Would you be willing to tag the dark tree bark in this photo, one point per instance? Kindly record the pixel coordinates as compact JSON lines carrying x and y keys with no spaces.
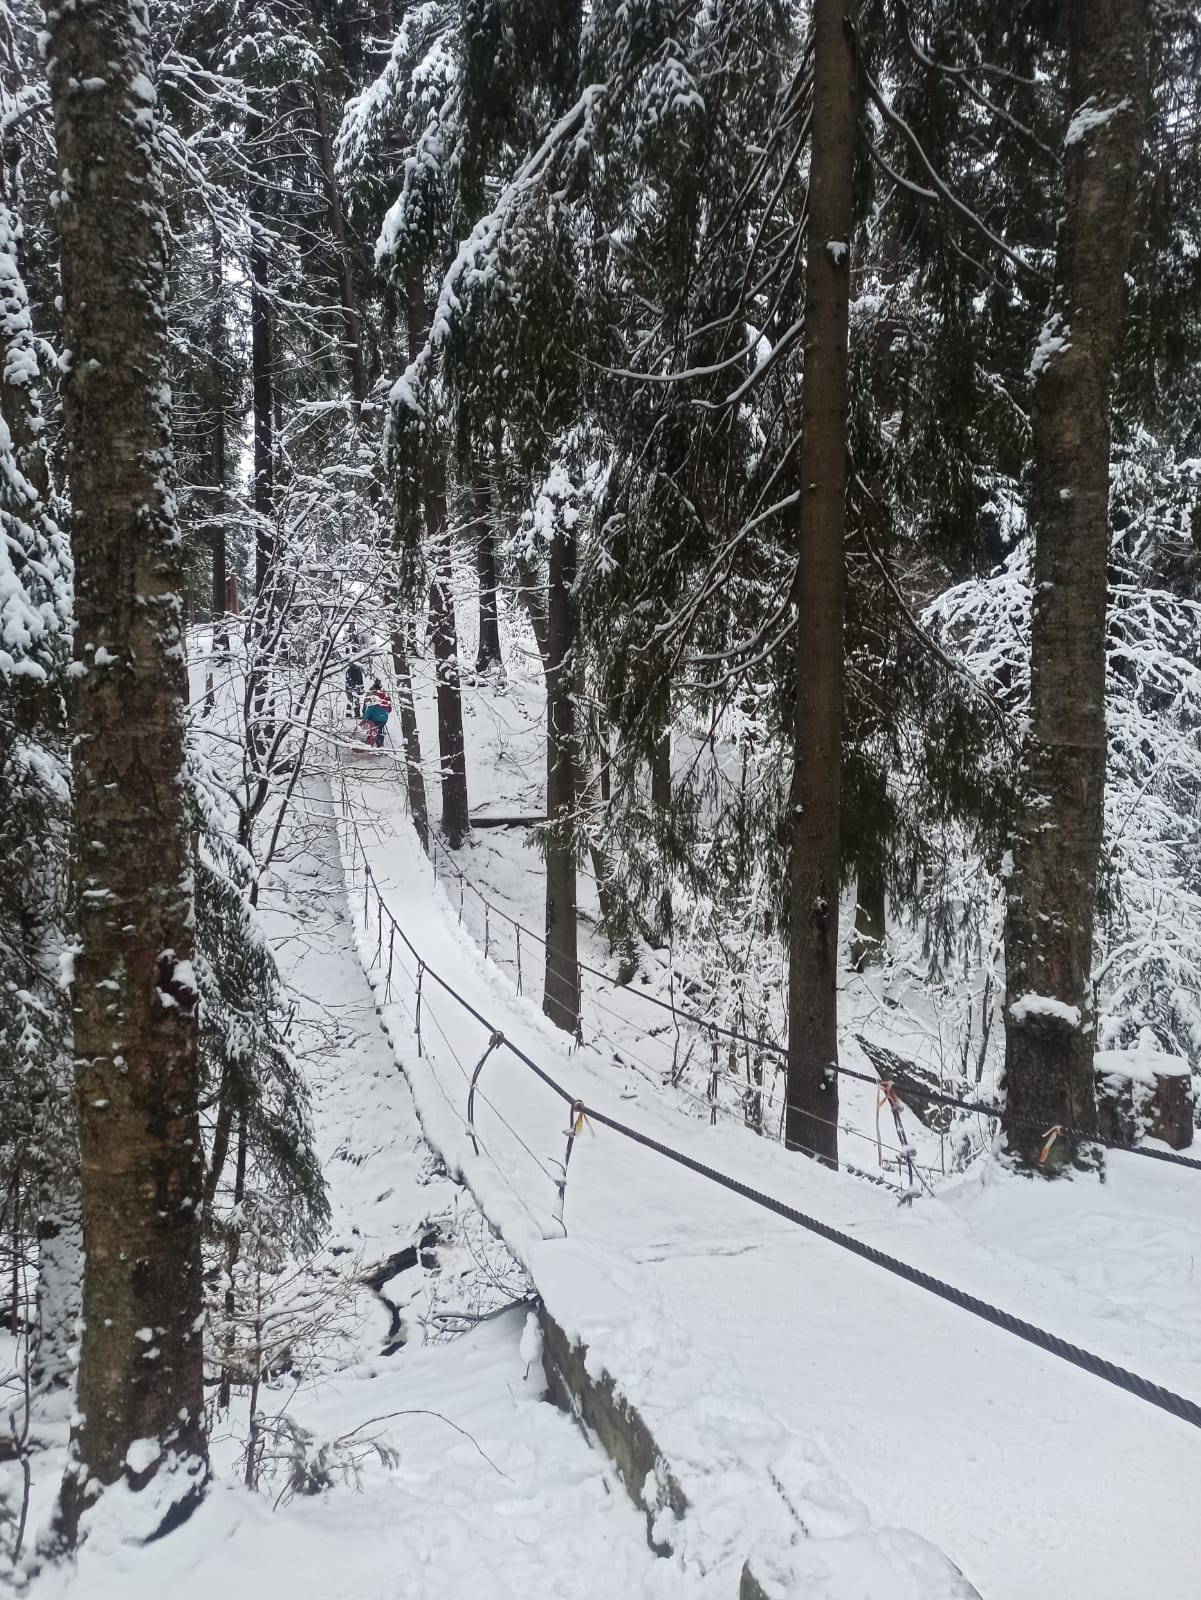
{"x":661,"y":804}
{"x":533,"y":599}
{"x":605,"y":763}
{"x":140,"y":1400}
{"x":411,"y":739}
{"x":484,"y":535}
{"x":1051,"y":892}
{"x":812,"y":1114}
{"x":456,"y":822}
{"x":661,"y":773}
{"x":383,"y":15}
{"x":262,"y":384}
{"x":262,"y":623}
{"x":867,"y":940}
{"x":217,"y":598}
{"x":352,"y":320}
{"x":217,"y":454}
{"x":561,"y":988}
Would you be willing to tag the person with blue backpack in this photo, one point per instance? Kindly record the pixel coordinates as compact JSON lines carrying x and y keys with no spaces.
{"x":377,"y":708}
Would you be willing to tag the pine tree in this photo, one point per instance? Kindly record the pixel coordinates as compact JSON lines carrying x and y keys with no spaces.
{"x":1050,"y":1022}
{"x":561,"y":983}
{"x":134,"y":995}
{"x":814,"y":859}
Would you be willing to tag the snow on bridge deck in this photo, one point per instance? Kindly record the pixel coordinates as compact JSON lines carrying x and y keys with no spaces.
{"x":841,"y":1423}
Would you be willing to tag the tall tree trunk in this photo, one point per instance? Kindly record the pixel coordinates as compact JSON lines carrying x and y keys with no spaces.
{"x":217,"y":461}
{"x":812,"y":1115}
{"x":352,"y":320}
{"x":661,"y":772}
{"x":261,"y":626}
{"x":867,"y":939}
{"x":140,"y":1413}
{"x":661,"y":805}
{"x":456,"y":821}
{"x":534,"y":600}
{"x":593,"y":804}
{"x":484,"y":534}
{"x":561,"y":988}
{"x":262,"y":386}
{"x":606,"y":763}
{"x":411,"y":739}
{"x":384,"y":21}
{"x":217,"y":597}
{"x":1051,"y":892}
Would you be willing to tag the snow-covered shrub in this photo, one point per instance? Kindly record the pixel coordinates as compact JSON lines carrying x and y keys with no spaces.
{"x":1147,"y":948}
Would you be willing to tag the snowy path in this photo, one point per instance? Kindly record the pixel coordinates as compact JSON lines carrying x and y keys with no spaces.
{"x":492,"y":1491}
{"x":792,"y":1384}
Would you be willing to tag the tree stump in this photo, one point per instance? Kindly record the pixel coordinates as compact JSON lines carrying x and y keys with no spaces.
{"x":1144,"y":1093}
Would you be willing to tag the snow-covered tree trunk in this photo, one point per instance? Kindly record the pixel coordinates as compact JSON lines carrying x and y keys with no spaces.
{"x":661,"y":806}
{"x":1049,"y":1019}
{"x":561,"y":990}
{"x":410,"y":736}
{"x":140,"y":1411}
{"x":812,"y":1114}
{"x":262,"y":384}
{"x":352,"y":320}
{"x":456,"y":821}
{"x":661,"y":772}
{"x":484,"y":534}
{"x":218,"y":345}
{"x":529,"y":592}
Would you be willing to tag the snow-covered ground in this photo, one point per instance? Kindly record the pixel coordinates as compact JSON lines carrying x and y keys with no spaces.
{"x":792,"y":1386}
{"x":858,"y":1438}
{"x":491,"y":1492}
{"x":452,"y":1477}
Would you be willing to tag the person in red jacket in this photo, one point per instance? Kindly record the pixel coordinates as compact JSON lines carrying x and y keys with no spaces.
{"x":377,"y":708}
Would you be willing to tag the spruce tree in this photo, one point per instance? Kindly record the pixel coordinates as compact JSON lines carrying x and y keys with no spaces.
{"x":815,"y":878}
{"x":1050,"y":1022}
{"x":134,"y":996}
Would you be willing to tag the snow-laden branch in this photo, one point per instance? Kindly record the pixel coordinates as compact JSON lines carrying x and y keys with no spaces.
{"x":944,"y":190}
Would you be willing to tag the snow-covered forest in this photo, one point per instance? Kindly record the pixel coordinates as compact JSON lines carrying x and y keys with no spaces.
{"x":600,"y":799}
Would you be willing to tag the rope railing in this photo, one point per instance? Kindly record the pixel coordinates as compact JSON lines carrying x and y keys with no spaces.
{"x":772,"y":1047}
{"x":582,"y":1115}
{"x":902,"y":1154}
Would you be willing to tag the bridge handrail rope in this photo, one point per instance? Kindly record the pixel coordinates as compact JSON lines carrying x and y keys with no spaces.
{"x":772,"y":1047}
{"x":1143,"y":1388}
{"x":902,"y":1153}
{"x":582,"y":1116}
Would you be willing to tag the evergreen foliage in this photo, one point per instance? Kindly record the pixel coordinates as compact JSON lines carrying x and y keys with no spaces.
{"x":540,"y":265}
{"x":36,"y":1117}
{"x":243,"y":1032}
